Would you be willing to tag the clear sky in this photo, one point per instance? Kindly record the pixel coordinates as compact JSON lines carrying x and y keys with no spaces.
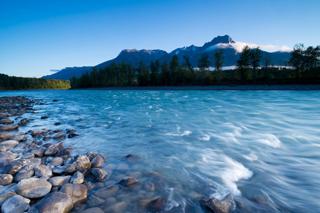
{"x":37,"y":36}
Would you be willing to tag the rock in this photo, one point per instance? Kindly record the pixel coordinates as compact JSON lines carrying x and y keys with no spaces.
{"x":117,"y":207}
{"x":71,"y":168}
{"x":20,"y":137}
{"x":98,"y":161}
{"x":71,"y":133}
{"x":4,"y":115}
{"x":93,"y":210}
{"x":78,"y":192}
{"x":107,"y":191}
{"x":6,"y":145}
{"x":59,"y":136}
{"x":59,"y":180}
{"x":128,"y":181}
{"x":225,"y":205}
{"x":24,"y":173}
{"x":9,"y":127}
{"x":15,"y":166}
{"x":15,"y":204}
{"x":6,"y":192}
{"x":56,"y":161}
{"x":91,"y":155}
{"x":6,"y":158}
{"x":56,"y":202}
{"x":39,"y":133}
{"x":43,"y":171}
{"x":77,"y":178}
{"x":83,"y":163}
{"x":4,"y":136}
{"x":38,"y":152}
{"x":99,"y":174}
{"x":5,"y":179}
{"x":58,"y":170}
{"x":35,"y":162}
{"x":54,"y":149}
{"x":156,"y":205}
{"x":23,"y":122}
{"x":6,"y":121}
{"x":33,"y":187}
{"x":132,"y":157}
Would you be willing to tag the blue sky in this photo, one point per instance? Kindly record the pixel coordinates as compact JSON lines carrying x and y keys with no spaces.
{"x":37,"y":36}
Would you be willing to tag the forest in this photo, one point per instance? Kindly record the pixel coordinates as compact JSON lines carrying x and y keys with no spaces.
{"x":17,"y":83}
{"x":303,"y":68}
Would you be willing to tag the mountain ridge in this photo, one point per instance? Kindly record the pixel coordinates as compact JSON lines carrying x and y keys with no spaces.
{"x":231,"y":51}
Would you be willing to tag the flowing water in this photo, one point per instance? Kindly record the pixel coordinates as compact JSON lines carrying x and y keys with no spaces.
{"x":263,"y":147}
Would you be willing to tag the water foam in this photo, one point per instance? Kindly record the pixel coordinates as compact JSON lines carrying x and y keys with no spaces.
{"x":233,"y":173}
{"x":270,"y":140}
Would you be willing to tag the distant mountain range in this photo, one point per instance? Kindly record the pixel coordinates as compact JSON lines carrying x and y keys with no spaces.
{"x":277,"y":56}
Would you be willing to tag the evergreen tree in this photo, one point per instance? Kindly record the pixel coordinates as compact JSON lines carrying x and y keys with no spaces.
{"x":204,"y":62}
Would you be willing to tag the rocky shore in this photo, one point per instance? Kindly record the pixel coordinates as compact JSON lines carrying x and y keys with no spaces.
{"x":38,"y":173}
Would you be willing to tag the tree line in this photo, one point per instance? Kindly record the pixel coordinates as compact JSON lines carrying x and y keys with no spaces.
{"x":251,"y":69}
{"x":12,"y":83}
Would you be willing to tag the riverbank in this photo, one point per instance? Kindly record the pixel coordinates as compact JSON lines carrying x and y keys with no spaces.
{"x":37,"y":172}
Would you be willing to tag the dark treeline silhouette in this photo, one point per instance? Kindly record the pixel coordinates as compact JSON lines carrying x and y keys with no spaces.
{"x":251,"y":69}
{"x":12,"y":83}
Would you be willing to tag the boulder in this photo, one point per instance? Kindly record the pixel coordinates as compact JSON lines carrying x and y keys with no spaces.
{"x":6,"y":121}
{"x":24,"y":173}
{"x":43,"y":171}
{"x":224,"y":205}
{"x":83,"y":163}
{"x":56,"y":202}
{"x":56,"y":161}
{"x":99,"y":174}
{"x":77,"y":178}
{"x":6,"y":145}
{"x":9,"y":127}
{"x":59,"y":180}
{"x":14,"y":166}
{"x":5,"y":179}
{"x":78,"y":192}
{"x":97,"y":161}
{"x":54,"y":149}
{"x":6,"y":158}
{"x":4,"y":136}
{"x":33,"y":187}
{"x":6,"y":192}
{"x":15,"y":204}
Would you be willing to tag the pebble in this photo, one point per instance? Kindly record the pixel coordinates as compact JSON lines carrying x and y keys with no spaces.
{"x":5,"y":179}
{"x":77,"y":178}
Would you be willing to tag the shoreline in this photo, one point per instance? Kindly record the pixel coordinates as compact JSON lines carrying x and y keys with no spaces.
{"x":37,"y":172}
{"x":257,"y":87}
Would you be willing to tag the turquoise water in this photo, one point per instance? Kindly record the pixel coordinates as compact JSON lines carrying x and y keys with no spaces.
{"x":263,"y":147}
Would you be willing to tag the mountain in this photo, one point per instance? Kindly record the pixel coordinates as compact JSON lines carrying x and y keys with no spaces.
{"x":277,"y":56}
